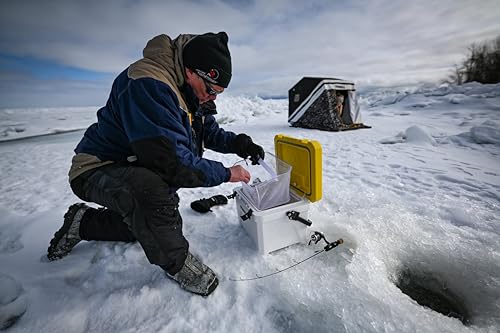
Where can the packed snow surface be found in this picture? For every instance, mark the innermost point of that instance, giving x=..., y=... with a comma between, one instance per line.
x=420, y=191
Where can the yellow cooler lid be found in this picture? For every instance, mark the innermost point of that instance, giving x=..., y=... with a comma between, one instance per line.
x=305, y=158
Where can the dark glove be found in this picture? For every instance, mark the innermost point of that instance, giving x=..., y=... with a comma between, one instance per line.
x=244, y=147
x=204, y=205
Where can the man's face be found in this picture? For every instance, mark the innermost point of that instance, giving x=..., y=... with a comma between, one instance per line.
x=205, y=91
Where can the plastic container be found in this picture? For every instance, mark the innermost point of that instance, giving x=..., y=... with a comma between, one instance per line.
x=270, y=183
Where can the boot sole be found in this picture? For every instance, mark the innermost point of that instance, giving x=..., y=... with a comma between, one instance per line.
x=68, y=220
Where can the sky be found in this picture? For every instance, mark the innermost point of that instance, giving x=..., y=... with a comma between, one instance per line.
x=67, y=53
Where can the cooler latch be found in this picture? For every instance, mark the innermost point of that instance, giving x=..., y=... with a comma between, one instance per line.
x=247, y=215
x=293, y=215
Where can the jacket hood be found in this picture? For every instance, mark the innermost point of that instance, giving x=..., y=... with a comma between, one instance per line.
x=167, y=53
x=162, y=61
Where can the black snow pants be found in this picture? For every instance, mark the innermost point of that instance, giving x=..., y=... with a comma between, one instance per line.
x=138, y=206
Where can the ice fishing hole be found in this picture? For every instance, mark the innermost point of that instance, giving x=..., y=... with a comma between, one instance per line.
x=431, y=291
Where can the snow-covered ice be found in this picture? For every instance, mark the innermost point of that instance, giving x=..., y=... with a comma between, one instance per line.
x=12, y=303
x=420, y=191
x=22, y=123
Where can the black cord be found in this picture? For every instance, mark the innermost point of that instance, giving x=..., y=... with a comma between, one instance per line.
x=282, y=270
x=243, y=160
x=327, y=248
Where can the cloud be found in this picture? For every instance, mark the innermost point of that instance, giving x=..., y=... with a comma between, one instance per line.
x=102, y=35
x=273, y=43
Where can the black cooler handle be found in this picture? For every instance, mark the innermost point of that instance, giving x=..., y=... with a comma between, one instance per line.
x=293, y=215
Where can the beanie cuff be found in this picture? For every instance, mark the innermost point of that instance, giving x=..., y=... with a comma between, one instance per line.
x=215, y=76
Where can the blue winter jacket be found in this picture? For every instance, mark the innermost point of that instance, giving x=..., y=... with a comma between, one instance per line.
x=142, y=118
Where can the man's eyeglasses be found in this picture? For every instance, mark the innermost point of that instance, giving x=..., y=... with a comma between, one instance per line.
x=210, y=90
x=208, y=87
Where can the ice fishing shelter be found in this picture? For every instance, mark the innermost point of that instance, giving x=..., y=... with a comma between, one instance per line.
x=324, y=103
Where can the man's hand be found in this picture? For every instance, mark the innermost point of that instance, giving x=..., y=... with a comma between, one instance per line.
x=239, y=173
x=246, y=148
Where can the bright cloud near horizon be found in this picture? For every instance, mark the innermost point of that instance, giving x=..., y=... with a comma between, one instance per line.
x=67, y=53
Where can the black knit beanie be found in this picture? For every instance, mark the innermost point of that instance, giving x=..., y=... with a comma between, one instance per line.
x=209, y=56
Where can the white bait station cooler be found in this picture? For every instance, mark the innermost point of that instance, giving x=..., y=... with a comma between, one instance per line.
x=275, y=221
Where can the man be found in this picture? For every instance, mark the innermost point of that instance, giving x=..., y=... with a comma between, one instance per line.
x=147, y=143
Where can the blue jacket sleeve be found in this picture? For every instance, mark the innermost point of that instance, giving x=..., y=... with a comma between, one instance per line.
x=160, y=136
x=216, y=138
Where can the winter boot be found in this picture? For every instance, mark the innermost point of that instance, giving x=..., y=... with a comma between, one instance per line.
x=196, y=277
x=68, y=235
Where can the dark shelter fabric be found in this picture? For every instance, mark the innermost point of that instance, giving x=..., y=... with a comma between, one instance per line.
x=322, y=114
x=328, y=113
x=139, y=206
